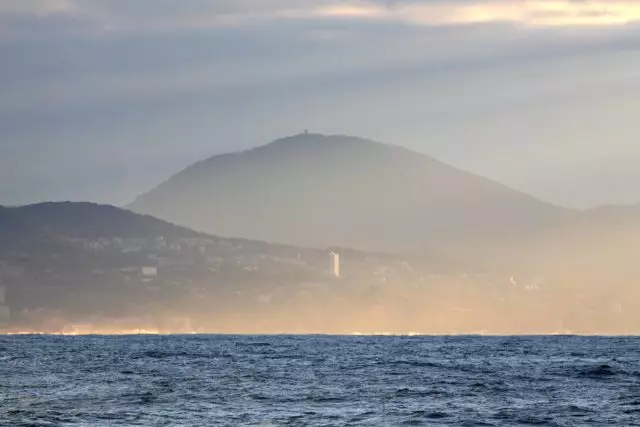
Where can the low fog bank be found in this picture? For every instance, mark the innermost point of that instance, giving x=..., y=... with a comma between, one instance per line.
x=460, y=306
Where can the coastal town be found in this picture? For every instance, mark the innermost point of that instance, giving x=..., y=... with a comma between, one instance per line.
x=179, y=283
x=204, y=284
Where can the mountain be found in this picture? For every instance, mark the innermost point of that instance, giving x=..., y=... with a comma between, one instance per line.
x=84, y=219
x=54, y=222
x=316, y=190
x=50, y=226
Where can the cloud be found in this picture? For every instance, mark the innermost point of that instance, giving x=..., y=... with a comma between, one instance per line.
x=526, y=13
x=134, y=75
x=36, y=7
x=162, y=15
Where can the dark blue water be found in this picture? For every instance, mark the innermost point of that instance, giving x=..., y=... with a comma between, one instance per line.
x=318, y=381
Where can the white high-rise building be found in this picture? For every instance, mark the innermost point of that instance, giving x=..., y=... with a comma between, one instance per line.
x=335, y=264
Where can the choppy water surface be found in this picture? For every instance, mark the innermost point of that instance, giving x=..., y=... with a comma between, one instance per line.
x=317, y=380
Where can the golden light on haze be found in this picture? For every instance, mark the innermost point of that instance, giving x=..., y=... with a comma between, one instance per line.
x=527, y=13
x=113, y=16
x=91, y=331
x=589, y=288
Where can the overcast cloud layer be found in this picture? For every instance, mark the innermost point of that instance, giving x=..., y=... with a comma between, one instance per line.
x=103, y=99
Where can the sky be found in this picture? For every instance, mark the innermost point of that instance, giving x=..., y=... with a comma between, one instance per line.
x=104, y=99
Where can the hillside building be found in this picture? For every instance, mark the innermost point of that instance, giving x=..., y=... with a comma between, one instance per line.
x=335, y=264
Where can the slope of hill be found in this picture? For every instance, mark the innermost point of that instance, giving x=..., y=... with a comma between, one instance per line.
x=605, y=240
x=317, y=190
x=83, y=220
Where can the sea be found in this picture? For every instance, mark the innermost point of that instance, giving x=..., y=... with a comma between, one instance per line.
x=211, y=380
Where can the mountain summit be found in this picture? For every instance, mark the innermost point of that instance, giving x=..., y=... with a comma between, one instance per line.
x=317, y=190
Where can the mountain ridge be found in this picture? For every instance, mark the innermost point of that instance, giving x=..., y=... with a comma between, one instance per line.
x=84, y=219
x=316, y=190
